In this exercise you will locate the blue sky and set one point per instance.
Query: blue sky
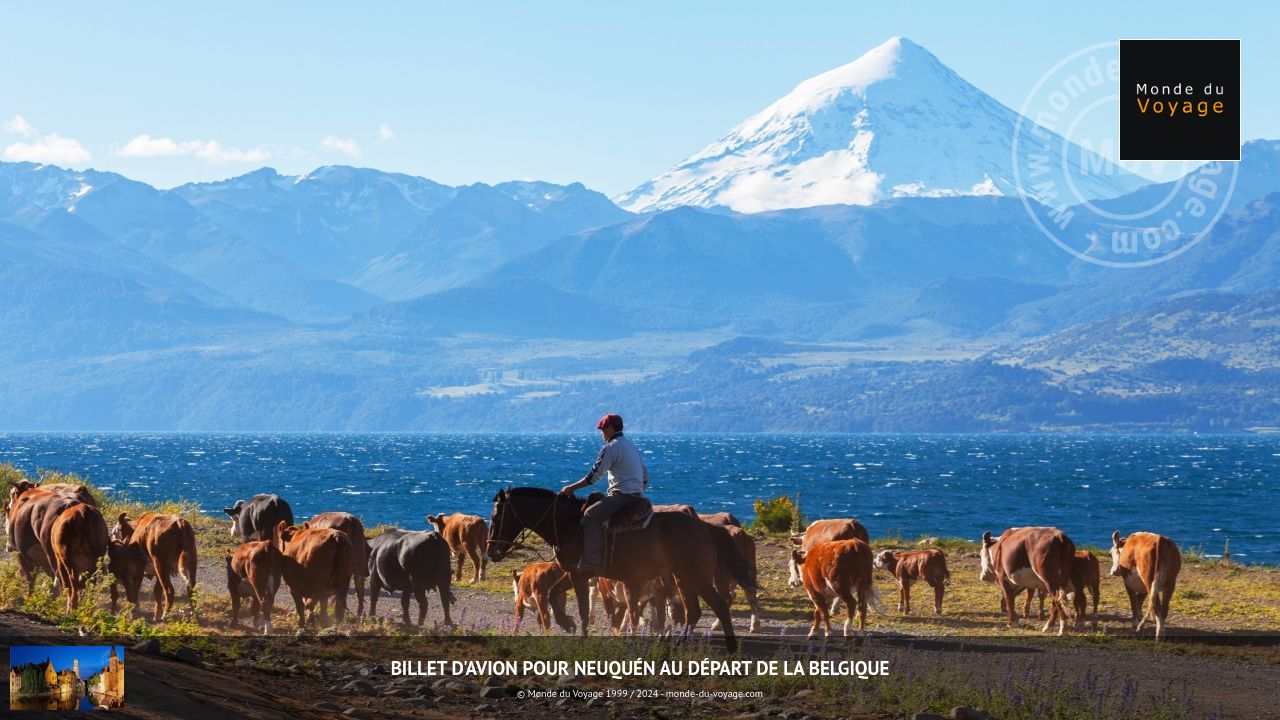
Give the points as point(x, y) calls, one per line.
point(92, 657)
point(608, 94)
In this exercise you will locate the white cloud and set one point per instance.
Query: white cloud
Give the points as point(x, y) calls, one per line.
point(385, 132)
point(19, 126)
point(216, 154)
point(211, 151)
point(52, 148)
point(146, 146)
point(346, 146)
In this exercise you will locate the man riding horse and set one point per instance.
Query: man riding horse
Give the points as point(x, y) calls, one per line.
point(628, 479)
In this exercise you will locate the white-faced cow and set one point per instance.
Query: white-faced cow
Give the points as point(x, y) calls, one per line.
point(542, 587)
point(911, 567)
point(1030, 557)
point(839, 570)
point(258, 518)
point(1149, 564)
point(466, 535)
point(820, 531)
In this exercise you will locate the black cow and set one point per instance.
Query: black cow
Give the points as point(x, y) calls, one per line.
point(411, 563)
point(257, 518)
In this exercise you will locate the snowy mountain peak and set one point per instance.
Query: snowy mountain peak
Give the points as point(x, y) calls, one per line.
point(895, 122)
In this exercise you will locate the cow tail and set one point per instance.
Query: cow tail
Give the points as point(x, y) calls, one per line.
point(946, 576)
point(873, 598)
point(1157, 588)
point(730, 557)
point(187, 553)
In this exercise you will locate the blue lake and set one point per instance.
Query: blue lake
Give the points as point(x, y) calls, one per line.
point(1199, 490)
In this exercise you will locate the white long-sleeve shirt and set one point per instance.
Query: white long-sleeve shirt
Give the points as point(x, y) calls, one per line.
point(622, 461)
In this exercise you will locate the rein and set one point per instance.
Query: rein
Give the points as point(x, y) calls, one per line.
point(527, 528)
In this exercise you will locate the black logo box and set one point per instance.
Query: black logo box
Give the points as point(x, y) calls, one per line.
point(1185, 67)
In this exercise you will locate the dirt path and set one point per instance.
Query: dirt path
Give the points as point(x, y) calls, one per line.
point(1210, 665)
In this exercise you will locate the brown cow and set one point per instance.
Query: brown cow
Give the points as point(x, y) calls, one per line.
point(254, 571)
point(685, 508)
point(71, 490)
point(466, 535)
point(1084, 577)
point(29, 524)
point(316, 565)
point(1030, 557)
point(624, 603)
point(1149, 564)
point(820, 531)
point(723, 519)
point(613, 601)
point(77, 540)
point(25, 491)
point(837, 570)
point(910, 567)
point(351, 525)
point(542, 587)
point(169, 544)
point(127, 563)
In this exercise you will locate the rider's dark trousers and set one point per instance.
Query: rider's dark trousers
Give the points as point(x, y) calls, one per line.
point(593, 525)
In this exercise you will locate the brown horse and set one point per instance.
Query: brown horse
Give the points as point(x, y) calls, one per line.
point(673, 542)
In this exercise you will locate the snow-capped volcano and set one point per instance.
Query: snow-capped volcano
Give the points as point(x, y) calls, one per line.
point(895, 122)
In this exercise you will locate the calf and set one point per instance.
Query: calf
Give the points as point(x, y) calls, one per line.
point(169, 544)
point(77, 540)
point(820, 531)
point(1149, 564)
point(316, 565)
point(351, 525)
point(1030, 557)
point(1084, 577)
point(254, 570)
point(542, 587)
point(837, 570)
point(258, 518)
point(624, 603)
point(911, 567)
point(127, 564)
point(466, 535)
point(410, 563)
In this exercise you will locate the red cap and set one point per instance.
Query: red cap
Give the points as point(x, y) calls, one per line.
point(612, 420)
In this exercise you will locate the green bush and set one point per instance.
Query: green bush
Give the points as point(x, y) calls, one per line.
point(779, 515)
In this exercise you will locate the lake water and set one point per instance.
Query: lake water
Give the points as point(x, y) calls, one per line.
point(1198, 490)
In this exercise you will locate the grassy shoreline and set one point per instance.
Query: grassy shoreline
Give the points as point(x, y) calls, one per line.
point(1218, 600)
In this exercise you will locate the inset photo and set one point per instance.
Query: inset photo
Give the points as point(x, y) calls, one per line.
point(66, 677)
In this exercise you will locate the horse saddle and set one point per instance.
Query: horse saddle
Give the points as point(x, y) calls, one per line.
point(636, 517)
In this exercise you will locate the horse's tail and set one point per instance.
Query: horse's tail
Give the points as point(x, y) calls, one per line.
point(730, 557)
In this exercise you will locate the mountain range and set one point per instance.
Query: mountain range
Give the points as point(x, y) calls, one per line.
point(885, 278)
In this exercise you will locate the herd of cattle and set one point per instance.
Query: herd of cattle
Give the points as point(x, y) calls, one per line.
point(59, 529)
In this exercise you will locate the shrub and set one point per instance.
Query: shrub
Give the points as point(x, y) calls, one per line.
point(779, 515)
